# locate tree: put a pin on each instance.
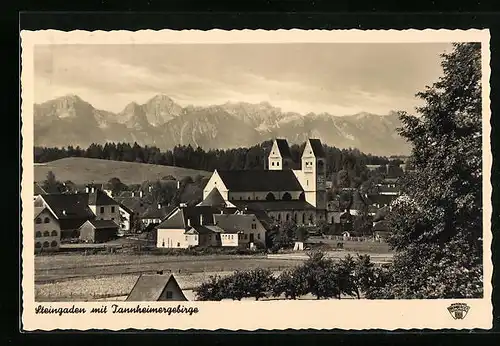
(51, 184)
(343, 178)
(301, 234)
(291, 282)
(116, 186)
(260, 282)
(321, 276)
(436, 226)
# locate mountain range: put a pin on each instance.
(161, 122)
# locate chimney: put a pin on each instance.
(159, 206)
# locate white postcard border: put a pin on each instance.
(275, 315)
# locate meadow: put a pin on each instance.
(81, 170)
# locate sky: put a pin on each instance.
(336, 78)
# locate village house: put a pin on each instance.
(98, 231)
(47, 230)
(246, 227)
(126, 219)
(158, 287)
(137, 205)
(70, 210)
(154, 214)
(73, 210)
(189, 226)
(284, 192)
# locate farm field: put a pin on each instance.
(64, 267)
(81, 170)
(77, 277)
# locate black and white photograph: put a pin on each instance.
(302, 172)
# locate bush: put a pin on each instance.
(256, 283)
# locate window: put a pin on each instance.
(170, 294)
(46, 244)
(287, 217)
(38, 234)
(102, 209)
(258, 235)
(46, 234)
(178, 244)
(112, 219)
(186, 237)
(256, 198)
(112, 209)
(46, 220)
(277, 163)
(307, 182)
(38, 220)
(272, 163)
(163, 243)
(246, 236)
(54, 233)
(279, 217)
(241, 198)
(249, 198)
(254, 226)
(38, 245)
(53, 244)
(195, 237)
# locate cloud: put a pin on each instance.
(335, 78)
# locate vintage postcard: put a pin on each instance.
(245, 180)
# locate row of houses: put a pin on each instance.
(235, 209)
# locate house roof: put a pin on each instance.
(317, 147)
(178, 219)
(69, 206)
(381, 214)
(214, 199)
(102, 224)
(38, 190)
(283, 148)
(149, 287)
(124, 207)
(359, 201)
(153, 212)
(100, 198)
(381, 226)
(254, 180)
(136, 204)
(233, 223)
(210, 229)
(273, 205)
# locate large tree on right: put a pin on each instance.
(436, 224)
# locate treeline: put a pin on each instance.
(319, 276)
(254, 157)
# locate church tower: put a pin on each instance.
(313, 173)
(280, 157)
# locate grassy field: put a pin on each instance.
(70, 267)
(109, 287)
(82, 170)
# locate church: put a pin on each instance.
(285, 190)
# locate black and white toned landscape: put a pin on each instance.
(257, 171)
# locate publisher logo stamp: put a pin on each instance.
(458, 310)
